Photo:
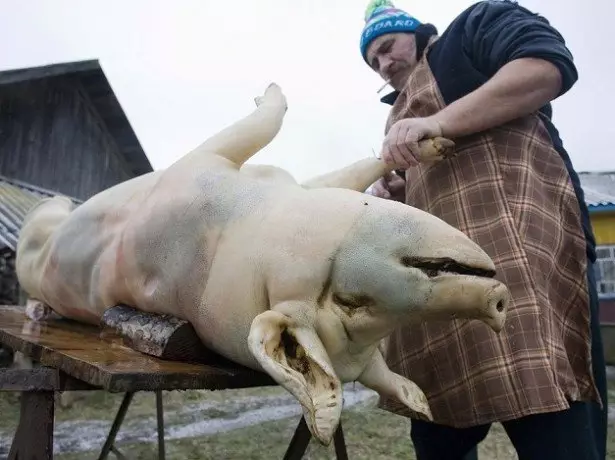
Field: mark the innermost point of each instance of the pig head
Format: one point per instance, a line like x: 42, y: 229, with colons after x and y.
x: 396, y: 265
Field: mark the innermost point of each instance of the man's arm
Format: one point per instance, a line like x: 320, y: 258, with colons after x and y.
x: 525, y: 58
x: 520, y: 87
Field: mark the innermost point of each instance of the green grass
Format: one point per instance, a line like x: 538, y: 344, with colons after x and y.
x: 370, y: 433
x: 100, y: 405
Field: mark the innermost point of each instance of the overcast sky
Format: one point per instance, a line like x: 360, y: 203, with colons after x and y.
x: 184, y: 69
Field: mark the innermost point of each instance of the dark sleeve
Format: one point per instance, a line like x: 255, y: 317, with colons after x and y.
x: 497, y: 32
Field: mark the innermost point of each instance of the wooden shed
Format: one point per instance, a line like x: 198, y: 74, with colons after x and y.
x: 62, y: 128
x: 62, y: 131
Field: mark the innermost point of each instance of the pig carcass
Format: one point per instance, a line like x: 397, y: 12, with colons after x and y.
x: 301, y: 281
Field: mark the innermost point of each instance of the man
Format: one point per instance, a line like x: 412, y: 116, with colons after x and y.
x: 487, y: 83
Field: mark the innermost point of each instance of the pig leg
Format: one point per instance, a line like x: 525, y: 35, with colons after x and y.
x: 380, y: 378
x: 37, y: 310
x: 244, y: 138
x: 291, y: 352
x: 356, y: 176
x: 363, y: 173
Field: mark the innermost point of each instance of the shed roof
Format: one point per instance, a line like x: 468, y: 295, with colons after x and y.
x: 98, y: 89
x: 599, y: 189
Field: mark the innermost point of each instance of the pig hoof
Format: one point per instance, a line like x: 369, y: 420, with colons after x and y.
x: 444, y: 147
x: 273, y: 87
x: 324, y: 427
x: 414, y: 398
x: 273, y: 96
x: 37, y: 310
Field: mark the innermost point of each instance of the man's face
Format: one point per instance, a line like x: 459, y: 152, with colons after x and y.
x: 393, y: 56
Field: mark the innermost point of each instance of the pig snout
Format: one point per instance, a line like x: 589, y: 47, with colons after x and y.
x: 469, y: 297
x: 497, y: 301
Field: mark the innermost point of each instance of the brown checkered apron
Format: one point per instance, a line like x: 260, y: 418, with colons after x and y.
x: 508, y: 190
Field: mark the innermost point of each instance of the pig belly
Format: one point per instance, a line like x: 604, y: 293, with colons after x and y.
x: 224, y: 328
x: 76, y: 267
x: 163, y: 260
x: 235, y: 294
x: 172, y: 268
x: 225, y: 334
x: 66, y: 255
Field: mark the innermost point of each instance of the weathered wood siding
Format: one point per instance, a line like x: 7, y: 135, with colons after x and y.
x: 51, y: 137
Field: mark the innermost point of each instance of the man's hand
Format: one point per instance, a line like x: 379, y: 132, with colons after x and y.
x: 401, y: 144
x: 390, y: 187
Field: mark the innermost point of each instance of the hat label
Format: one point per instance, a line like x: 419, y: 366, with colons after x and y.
x: 388, y: 24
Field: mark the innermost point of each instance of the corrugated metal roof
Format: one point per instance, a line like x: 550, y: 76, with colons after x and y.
x: 599, y: 188
x: 16, y: 199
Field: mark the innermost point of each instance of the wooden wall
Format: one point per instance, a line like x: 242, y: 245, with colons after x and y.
x: 51, y: 137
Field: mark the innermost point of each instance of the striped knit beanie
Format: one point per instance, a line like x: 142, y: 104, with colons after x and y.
x: 381, y: 17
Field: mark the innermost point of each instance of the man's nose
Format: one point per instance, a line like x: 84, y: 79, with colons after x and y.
x: 385, y: 67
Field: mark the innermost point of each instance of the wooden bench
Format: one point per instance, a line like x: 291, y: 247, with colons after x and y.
x: 74, y: 357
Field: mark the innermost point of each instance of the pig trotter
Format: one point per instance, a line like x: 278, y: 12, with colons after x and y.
x: 381, y: 379
x: 37, y: 310
x: 295, y: 357
x: 241, y: 140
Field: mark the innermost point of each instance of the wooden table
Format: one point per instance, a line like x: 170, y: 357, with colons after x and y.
x: 75, y: 356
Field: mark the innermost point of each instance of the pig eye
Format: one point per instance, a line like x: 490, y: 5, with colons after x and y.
x: 352, y: 300
x: 343, y: 302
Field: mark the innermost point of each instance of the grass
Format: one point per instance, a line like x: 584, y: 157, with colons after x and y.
x: 370, y: 433
x: 100, y: 405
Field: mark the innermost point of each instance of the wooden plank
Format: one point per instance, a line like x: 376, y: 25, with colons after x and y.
x: 40, y: 379
x: 100, y: 359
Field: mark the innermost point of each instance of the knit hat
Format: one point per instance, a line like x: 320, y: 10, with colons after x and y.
x: 381, y: 17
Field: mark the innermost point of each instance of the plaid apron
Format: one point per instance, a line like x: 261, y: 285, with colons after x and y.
x: 508, y: 189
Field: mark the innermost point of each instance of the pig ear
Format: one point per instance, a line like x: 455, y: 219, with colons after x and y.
x: 294, y: 356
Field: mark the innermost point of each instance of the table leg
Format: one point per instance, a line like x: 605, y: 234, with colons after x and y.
x: 160, y: 420
x: 115, y: 427
x: 301, y: 439
x: 34, y: 434
x: 340, y: 444
x: 299, y: 443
